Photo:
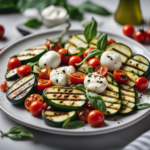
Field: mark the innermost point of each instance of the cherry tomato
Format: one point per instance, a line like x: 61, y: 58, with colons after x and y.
x: 87, y: 51
x: 94, y: 62
x: 4, y: 86
x: 24, y: 70
x: 96, y: 118
x: 64, y: 54
x: 101, y: 69
x: 56, y: 47
x: 141, y: 83
x: 89, y: 105
x: 42, y: 84
x: 36, y: 108
x: 128, y: 30
x: 110, y: 41
x: 1, y: 31
x: 45, y: 105
x: 83, y: 114
x: 148, y: 33
x: 45, y: 73
x: 120, y: 76
x: 75, y: 59
x: 77, y: 78
x: 30, y: 99
x: 13, y: 63
x: 140, y: 36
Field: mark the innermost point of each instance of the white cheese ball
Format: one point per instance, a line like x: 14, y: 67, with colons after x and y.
x: 60, y: 76
x: 50, y: 59
x: 111, y: 59
x: 95, y: 83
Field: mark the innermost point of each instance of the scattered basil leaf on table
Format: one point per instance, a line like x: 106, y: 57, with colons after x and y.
x: 102, y: 41
x: 89, y: 70
x: 141, y: 106
x: 33, y: 23
x: 17, y: 133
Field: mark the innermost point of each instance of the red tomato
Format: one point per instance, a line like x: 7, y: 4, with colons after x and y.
x: 94, y: 62
x: 56, y: 47
x: 24, y: 70
x: 30, y: 99
x: 83, y: 114
x: 64, y: 54
x: 141, y: 83
x: 45, y: 105
x: 128, y: 30
x: 13, y: 63
x: 77, y: 78
x: 36, y: 108
x: 96, y: 118
x: 42, y: 84
x: 4, y: 86
x: 74, y: 59
x: 87, y: 51
x: 120, y: 76
x: 140, y: 36
x: 110, y: 41
x: 1, y: 31
x: 45, y: 73
x: 148, y: 33
x: 101, y: 69
x: 89, y: 105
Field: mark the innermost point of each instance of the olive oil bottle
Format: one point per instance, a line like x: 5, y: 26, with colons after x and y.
x: 129, y: 12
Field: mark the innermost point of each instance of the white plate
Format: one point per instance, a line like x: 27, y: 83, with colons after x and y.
x: 21, y: 115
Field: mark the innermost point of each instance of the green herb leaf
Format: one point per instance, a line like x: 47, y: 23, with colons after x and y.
x: 90, y: 31
x: 141, y: 106
x: 82, y: 49
x: 31, y: 64
x: 33, y: 23
x: 102, y: 41
x: 89, y: 70
x: 94, y: 8
x: 80, y: 87
x: 111, y: 103
x: 84, y: 23
x: 14, y: 56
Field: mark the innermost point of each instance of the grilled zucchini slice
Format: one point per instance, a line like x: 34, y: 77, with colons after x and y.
x: 57, y: 118
x: 36, y: 69
x: 21, y: 89
x: 32, y: 55
x: 83, y: 68
x: 64, y: 98
x: 11, y: 75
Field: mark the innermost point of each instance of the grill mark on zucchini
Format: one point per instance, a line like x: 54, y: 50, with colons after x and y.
x: 36, y: 49
x: 68, y: 99
x: 119, y: 52
x: 26, y: 55
x: 64, y: 93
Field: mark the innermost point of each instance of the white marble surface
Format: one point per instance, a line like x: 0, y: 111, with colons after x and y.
x: 45, y: 141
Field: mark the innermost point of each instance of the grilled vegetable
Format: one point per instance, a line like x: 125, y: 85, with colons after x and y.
x: 36, y: 69
x: 57, y: 118
x: 32, y: 55
x: 11, y: 75
x: 21, y: 89
x: 83, y: 68
x: 64, y: 98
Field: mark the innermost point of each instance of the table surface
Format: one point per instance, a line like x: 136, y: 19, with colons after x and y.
x: 45, y: 141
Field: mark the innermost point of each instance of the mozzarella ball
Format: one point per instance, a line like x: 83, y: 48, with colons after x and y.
x: 50, y: 59
x: 95, y: 83
x: 111, y: 59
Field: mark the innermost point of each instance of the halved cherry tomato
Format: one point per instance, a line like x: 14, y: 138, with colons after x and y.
x: 24, y: 70
x: 94, y: 62
x: 4, y: 86
x: 96, y: 118
x: 45, y: 73
x: 75, y: 59
x: 141, y: 83
x: 128, y: 30
x: 56, y: 47
x: 36, y: 108
x: 101, y: 69
x: 89, y: 105
x: 110, y: 41
x: 87, y: 51
x: 13, y: 63
x: 77, y: 78
x: 64, y: 54
x: 120, y: 76
x: 1, y: 31
x: 42, y: 84
x: 140, y: 36
x: 83, y: 114
x: 33, y: 97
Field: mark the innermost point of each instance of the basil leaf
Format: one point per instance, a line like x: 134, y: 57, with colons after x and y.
x: 141, y: 106
x: 84, y: 23
x: 82, y: 49
x: 15, y: 129
x: 89, y: 70
x: 102, y: 41
x: 74, y: 125
x: 94, y: 8
x: 90, y: 31
x: 31, y: 64
x: 80, y: 87
x: 66, y: 122
x: 33, y: 23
